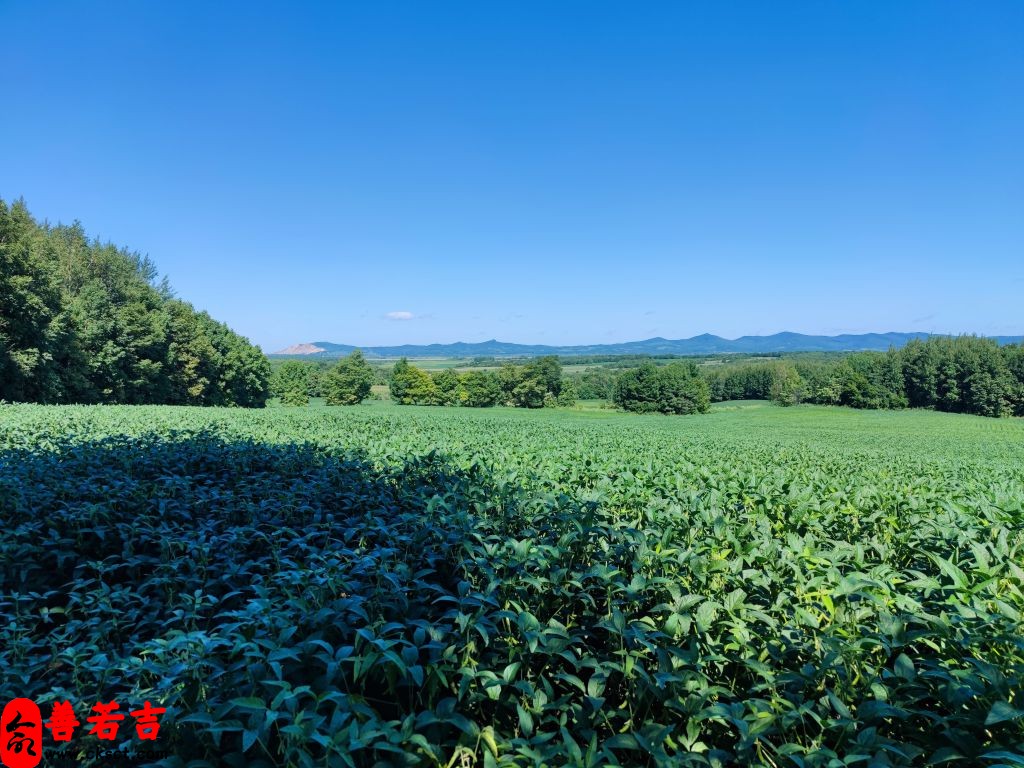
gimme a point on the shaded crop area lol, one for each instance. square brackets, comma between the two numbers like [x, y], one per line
[320, 589]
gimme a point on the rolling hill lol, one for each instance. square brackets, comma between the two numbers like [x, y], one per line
[705, 344]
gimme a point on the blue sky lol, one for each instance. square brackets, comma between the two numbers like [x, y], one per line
[574, 172]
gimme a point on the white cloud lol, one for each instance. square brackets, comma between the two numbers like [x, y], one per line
[400, 315]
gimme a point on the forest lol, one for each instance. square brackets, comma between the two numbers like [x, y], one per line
[87, 322]
[962, 374]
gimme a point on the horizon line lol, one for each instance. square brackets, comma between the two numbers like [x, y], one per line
[653, 338]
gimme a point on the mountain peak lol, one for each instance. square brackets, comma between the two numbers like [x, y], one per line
[301, 349]
[705, 344]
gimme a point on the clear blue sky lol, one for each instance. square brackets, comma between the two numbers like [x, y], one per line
[572, 172]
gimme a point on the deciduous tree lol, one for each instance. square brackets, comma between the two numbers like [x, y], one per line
[349, 382]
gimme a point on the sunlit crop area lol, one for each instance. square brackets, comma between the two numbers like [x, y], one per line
[430, 586]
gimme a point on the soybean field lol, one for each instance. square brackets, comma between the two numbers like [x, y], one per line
[387, 585]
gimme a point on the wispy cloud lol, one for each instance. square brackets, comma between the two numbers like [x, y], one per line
[400, 315]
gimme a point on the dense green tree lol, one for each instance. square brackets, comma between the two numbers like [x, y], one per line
[964, 374]
[567, 396]
[820, 384]
[1013, 355]
[88, 322]
[520, 386]
[529, 393]
[870, 380]
[422, 390]
[593, 384]
[639, 389]
[548, 371]
[751, 381]
[243, 376]
[449, 388]
[29, 303]
[920, 365]
[399, 381]
[683, 389]
[412, 386]
[676, 388]
[787, 387]
[481, 388]
[987, 384]
[291, 383]
[192, 360]
[509, 377]
[314, 380]
[527, 386]
[348, 382]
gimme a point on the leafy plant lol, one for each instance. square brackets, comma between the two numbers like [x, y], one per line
[382, 585]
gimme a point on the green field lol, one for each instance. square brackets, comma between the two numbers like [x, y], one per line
[382, 585]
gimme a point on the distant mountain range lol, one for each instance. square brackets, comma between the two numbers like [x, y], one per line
[705, 344]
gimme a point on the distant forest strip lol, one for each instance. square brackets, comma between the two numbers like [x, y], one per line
[536, 384]
[963, 374]
[88, 322]
[540, 383]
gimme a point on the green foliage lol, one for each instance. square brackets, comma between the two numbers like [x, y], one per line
[676, 388]
[29, 305]
[787, 387]
[963, 374]
[870, 380]
[750, 381]
[482, 389]
[348, 382]
[375, 586]
[639, 389]
[1014, 358]
[86, 322]
[291, 382]
[449, 388]
[529, 392]
[568, 395]
[509, 377]
[534, 385]
[596, 384]
[683, 390]
[400, 381]
[546, 370]
[412, 386]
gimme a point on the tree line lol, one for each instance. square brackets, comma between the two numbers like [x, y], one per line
[88, 322]
[347, 382]
[537, 384]
[962, 374]
[674, 388]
